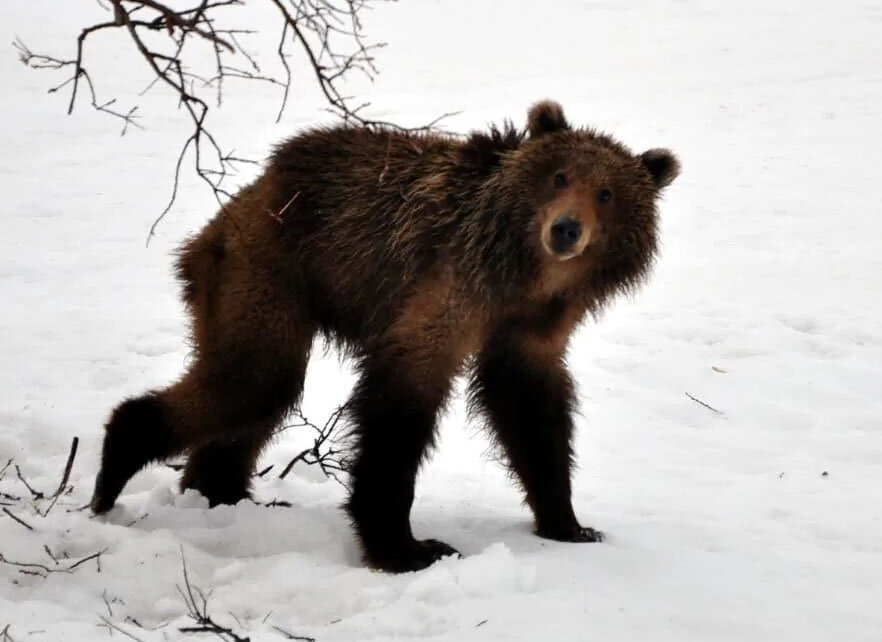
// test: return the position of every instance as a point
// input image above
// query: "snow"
(763, 522)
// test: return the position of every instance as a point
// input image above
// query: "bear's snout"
(565, 234)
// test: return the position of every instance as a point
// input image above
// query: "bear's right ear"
(663, 166)
(546, 117)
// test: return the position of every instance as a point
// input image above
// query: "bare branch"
(32, 568)
(66, 475)
(5, 468)
(18, 519)
(49, 553)
(198, 611)
(330, 34)
(291, 636)
(93, 556)
(36, 494)
(321, 453)
(701, 403)
(6, 636)
(118, 629)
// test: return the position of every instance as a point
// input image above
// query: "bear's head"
(587, 203)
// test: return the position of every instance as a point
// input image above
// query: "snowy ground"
(762, 523)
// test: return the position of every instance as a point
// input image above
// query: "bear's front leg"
(523, 386)
(395, 424)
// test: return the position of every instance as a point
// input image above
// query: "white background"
(720, 527)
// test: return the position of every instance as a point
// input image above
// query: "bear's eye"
(560, 179)
(604, 195)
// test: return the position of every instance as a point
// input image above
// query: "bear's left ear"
(663, 166)
(546, 117)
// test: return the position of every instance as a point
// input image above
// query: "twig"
(65, 476)
(68, 466)
(132, 522)
(46, 569)
(117, 628)
(93, 556)
(35, 493)
(326, 458)
(3, 474)
(265, 470)
(328, 32)
(291, 636)
(276, 502)
(18, 519)
(709, 407)
(28, 565)
(278, 215)
(5, 633)
(198, 611)
(49, 553)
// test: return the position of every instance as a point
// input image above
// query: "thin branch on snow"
(266, 470)
(6, 635)
(18, 519)
(276, 503)
(65, 476)
(290, 636)
(22, 566)
(36, 494)
(118, 629)
(49, 553)
(68, 466)
(322, 453)
(30, 568)
(701, 403)
(198, 610)
(93, 556)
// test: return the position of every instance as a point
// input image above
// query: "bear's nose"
(565, 233)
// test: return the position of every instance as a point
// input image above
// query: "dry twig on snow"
(7, 636)
(708, 406)
(18, 519)
(198, 611)
(30, 568)
(322, 453)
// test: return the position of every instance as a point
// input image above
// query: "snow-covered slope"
(762, 522)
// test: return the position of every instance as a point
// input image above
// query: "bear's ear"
(546, 117)
(662, 165)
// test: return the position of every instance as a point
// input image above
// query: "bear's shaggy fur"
(423, 256)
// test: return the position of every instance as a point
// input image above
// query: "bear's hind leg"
(241, 401)
(222, 412)
(139, 432)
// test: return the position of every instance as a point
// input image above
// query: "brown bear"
(422, 256)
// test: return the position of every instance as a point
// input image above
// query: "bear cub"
(422, 256)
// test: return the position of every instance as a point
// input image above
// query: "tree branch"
(328, 32)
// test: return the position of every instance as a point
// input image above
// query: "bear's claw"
(419, 555)
(574, 533)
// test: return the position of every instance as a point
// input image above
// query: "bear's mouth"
(562, 257)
